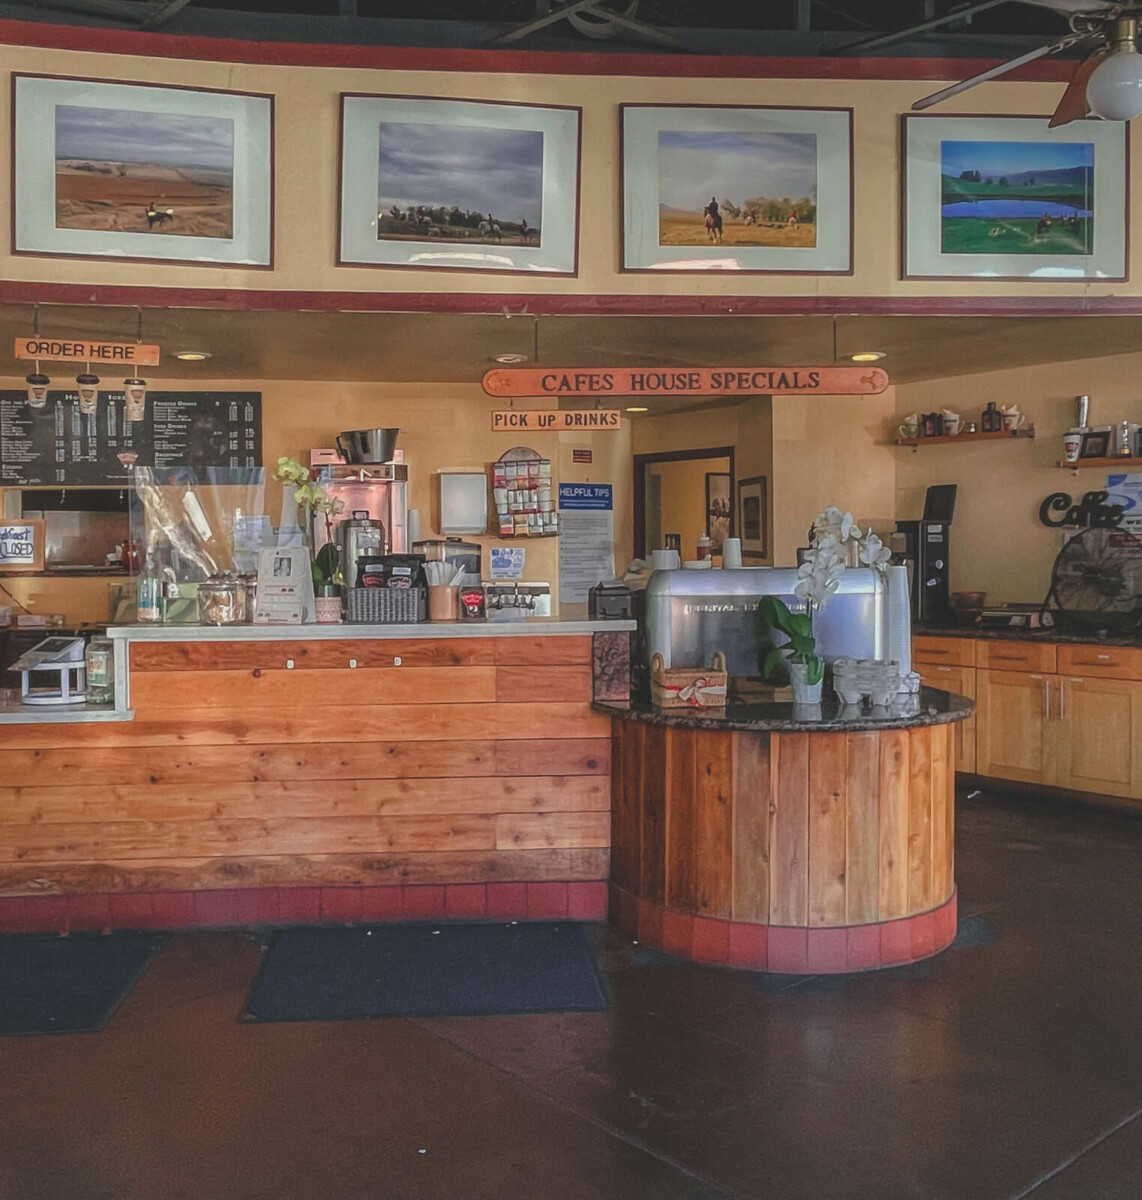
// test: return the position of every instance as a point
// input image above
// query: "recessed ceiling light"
(637, 408)
(510, 360)
(191, 355)
(869, 356)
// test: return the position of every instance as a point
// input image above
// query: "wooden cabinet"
(945, 651)
(962, 681)
(1098, 731)
(1014, 732)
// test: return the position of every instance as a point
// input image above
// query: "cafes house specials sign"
(592, 382)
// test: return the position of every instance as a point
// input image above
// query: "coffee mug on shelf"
(1072, 443)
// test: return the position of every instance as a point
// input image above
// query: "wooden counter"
(284, 779)
(736, 842)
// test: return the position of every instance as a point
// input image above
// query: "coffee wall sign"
(591, 382)
(137, 354)
(1091, 512)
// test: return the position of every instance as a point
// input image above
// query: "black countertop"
(781, 715)
(1012, 634)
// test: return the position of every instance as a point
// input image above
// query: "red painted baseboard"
(786, 949)
(238, 907)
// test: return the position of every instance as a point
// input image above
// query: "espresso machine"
(926, 547)
(377, 493)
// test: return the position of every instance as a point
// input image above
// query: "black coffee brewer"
(927, 547)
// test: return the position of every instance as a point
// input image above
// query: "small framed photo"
(753, 516)
(1008, 198)
(141, 171)
(720, 188)
(1095, 444)
(459, 185)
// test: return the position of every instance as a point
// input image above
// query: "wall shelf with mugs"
(946, 439)
(1130, 464)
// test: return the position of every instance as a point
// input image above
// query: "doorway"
(683, 494)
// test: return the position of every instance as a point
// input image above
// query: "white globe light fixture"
(1114, 90)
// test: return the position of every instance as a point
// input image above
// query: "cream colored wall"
(997, 541)
(829, 450)
(442, 426)
(306, 117)
(684, 498)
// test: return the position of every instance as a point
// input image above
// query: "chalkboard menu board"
(58, 444)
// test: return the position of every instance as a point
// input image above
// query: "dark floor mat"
(429, 970)
(52, 984)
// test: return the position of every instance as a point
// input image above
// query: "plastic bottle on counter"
(705, 547)
(149, 595)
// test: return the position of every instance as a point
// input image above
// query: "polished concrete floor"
(1010, 1066)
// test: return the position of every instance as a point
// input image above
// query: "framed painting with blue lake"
(1009, 198)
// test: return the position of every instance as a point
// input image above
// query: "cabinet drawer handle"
(1010, 657)
(943, 668)
(1062, 698)
(1047, 698)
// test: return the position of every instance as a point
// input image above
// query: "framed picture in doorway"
(719, 509)
(142, 171)
(753, 516)
(1008, 198)
(751, 188)
(460, 185)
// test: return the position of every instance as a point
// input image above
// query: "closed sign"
(21, 546)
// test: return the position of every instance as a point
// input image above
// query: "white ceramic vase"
(803, 691)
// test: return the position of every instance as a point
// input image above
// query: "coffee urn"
(361, 536)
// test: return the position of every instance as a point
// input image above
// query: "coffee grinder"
(927, 546)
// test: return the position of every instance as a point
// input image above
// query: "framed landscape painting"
(753, 516)
(141, 171)
(459, 184)
(1008, 198)
(717, 188)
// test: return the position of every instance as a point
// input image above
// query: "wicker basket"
(385, 606)
(689, 687)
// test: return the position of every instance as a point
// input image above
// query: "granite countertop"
(781, 715)
(1011, 634)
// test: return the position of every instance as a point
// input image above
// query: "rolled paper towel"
(899, 620)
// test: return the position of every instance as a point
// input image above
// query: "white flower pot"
(803, 691)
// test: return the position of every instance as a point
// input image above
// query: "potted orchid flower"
(312, 499)
(835, 539)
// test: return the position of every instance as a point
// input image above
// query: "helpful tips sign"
(590, 383)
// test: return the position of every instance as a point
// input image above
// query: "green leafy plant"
(801, 647)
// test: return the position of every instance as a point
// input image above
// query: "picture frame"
(142, 172)
(403, 201)
(719, 509)
(753, 516)
(666, 148)
(1095, 443)
(1007, 198)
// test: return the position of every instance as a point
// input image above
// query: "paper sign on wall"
(587, 541)
(21, 545)
(1126, 490)
(507, 562)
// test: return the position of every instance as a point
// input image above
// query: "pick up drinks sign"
(555, 420)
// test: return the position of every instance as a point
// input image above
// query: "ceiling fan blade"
(1002, 69)
(1073, 106)
(884, 39)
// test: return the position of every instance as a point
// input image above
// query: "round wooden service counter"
(779, 838)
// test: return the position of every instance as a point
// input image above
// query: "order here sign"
(587, 420)
(136, 354)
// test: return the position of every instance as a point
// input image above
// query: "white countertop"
(531, 627)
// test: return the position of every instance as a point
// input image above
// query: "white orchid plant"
(311, 496)
(818, 577)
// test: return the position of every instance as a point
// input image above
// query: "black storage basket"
(386, 606)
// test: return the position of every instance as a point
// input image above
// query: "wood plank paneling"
(828, 825)
(294, 798)
(655, 767)
(541, 651)
(862, 814)
(681, 867)
(335, 723)
(565, 756)
(626, 805)
(920, 820)
(156, 690)
(753, 816)
(789, 855)
(550, 830)
(894, 784)
(193, 874)
(714, 823)
(125, 840)
(544, 685)
(943, 772)
(332, 654)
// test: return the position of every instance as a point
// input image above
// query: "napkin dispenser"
(609, 601)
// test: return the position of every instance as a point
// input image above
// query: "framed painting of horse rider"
(143, 172)
(1010, 198)
(720, 188)
(460, 185)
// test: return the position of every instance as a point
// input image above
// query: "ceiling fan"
(1107, 83)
